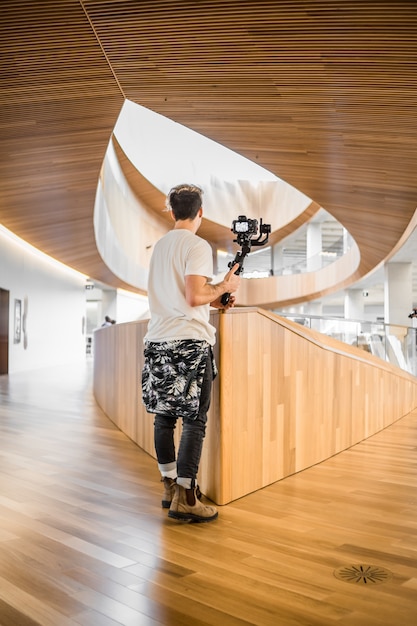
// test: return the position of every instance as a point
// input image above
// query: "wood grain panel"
(286, 398)
(84, 540)
(318, 94)
(59, 103)
(321, 94)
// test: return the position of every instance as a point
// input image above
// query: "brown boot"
(169, 490)
(186, 507)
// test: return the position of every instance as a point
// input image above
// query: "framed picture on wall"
(17, 321)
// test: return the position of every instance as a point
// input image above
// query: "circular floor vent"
(363, 574)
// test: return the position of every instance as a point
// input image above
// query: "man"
(179, 366)
(107, 321)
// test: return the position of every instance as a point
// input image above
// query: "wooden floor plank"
(84, 540)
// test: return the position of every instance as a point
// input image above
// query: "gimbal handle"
(240, 255)
(246, 241)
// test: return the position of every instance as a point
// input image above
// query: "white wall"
(131, 307)
(118, 304)
(53, 308)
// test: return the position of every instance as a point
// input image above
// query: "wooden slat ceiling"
(323, 94)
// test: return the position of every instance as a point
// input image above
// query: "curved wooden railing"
(285, 399)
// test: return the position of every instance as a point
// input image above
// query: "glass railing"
(390, 342)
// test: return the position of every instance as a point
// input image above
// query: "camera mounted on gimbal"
(245, 230)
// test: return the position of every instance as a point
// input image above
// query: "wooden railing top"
(324, 341)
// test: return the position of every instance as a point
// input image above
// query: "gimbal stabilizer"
(245, 230)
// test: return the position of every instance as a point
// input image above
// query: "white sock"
(168, 470)
(169, 474)
(185, 482)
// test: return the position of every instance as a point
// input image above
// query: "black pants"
(193, 432)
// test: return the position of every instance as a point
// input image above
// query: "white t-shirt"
(177, 254)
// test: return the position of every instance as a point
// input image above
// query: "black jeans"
(193, 432)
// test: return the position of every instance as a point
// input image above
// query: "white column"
(398, 293)
(346, 240)
(277, 259)
(214, 255)
(354, 304)
(314, 248)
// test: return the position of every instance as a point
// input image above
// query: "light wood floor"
(83, 539)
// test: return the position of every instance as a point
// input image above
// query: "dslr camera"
(245, 229)
(245, 225)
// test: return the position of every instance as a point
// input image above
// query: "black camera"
(244, 225)
(413, 314)
(245, 229)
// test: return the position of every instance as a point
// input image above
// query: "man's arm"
(199, 292)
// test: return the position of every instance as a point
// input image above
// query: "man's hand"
(199, 292)
(232, 281)
(217, 304)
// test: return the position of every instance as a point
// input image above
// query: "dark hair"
(184, 201)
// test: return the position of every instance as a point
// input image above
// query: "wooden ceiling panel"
(323, 94)
(58, 105)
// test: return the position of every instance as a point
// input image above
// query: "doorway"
(4, 331)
